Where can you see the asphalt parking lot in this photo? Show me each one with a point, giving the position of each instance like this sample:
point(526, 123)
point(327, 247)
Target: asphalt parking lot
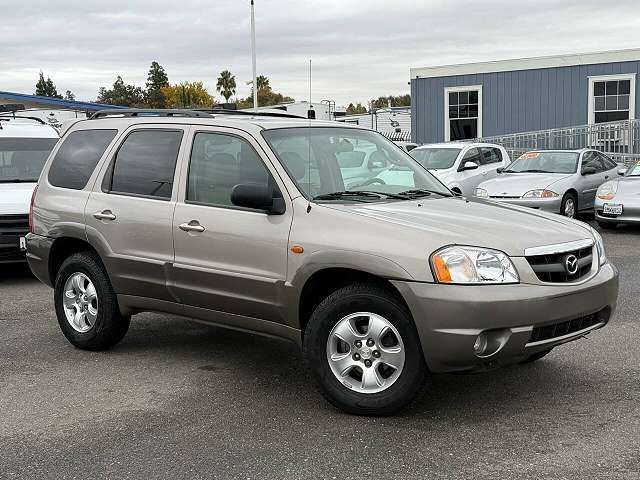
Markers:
point(177, 399)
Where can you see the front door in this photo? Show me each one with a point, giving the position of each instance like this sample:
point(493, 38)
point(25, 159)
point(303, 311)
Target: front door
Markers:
point(590, 181)
point(470, 179)
point(130, 212)
point(228, 259)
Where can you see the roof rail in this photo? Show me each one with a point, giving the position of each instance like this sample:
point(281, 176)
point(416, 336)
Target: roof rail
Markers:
point(247, 113)
point(147, 112)
point(12, 115)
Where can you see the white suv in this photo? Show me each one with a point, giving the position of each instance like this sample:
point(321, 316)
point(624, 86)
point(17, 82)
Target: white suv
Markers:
point(462, 166)
point(25, 144)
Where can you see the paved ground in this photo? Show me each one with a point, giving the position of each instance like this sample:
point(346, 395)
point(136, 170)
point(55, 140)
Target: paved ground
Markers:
point(181, 400)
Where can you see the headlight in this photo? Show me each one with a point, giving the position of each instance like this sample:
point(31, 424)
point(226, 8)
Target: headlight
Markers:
point(599, 246)
point(607, 191)
point(472, 265)
point(481, 192)
point(540, 194)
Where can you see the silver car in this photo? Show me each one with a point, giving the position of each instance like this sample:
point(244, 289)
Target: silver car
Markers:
point(558, 181)
point(618, 200)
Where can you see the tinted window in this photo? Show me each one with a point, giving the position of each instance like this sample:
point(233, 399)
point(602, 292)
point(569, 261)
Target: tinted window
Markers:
point(145, 163)
point(593, 160)
point(490, 155)
point(608, 163)
point(78, 156)
point(435, 158)
point(219, 163)
point(472, 155)
point(22, 159)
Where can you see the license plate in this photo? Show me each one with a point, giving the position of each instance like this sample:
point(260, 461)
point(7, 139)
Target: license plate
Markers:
point(23, 243)
point(611, 209)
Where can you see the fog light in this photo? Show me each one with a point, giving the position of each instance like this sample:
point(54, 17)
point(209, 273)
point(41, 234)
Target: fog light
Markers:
point(481, 344)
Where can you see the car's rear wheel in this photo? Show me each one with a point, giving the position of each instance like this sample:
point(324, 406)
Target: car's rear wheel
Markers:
point(569, 205)
point(536, 356)
point(86, 305)
point(362, 348)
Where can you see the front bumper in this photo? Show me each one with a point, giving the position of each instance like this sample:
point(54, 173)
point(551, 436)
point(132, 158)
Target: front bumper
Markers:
point(547, 204)
point(630, 211)
point(449, 318)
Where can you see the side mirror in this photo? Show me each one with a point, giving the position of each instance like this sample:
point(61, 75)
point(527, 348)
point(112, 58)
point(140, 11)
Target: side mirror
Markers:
point(468, 165)
point(588, 171)
point(622, 172)
point(258, 197)
point(500, 170)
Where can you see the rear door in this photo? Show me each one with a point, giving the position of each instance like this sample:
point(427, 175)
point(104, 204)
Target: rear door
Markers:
point(129, 213)
point(491, 159)
point(227, 258)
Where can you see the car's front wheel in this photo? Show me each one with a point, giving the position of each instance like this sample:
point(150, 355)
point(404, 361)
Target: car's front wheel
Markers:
point(362, 347)
point(86, 305)
point(569, 205)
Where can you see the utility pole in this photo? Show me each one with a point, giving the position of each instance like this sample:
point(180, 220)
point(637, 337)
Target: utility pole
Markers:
point(253, 57)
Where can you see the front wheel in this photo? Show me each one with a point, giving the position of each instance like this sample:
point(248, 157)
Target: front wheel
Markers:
point(86, 305)
point(362, 348)
point(569, 205)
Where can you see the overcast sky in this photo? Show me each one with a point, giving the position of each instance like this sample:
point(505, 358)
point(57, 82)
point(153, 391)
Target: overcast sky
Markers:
point(360, 49)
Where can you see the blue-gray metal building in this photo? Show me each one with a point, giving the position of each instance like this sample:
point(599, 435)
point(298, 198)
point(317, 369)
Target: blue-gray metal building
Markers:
point(456, 102)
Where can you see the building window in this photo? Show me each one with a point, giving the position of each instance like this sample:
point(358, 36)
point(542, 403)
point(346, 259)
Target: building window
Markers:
point(611, 98)
point(462, 113)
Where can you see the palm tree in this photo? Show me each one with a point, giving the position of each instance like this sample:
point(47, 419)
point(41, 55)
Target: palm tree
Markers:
point(226, 84)
point(263, 83)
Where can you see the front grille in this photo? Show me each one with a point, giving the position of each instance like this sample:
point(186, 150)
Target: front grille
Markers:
point(556, 330)
point(503, 197)
point(12, 227)
point(552, 267)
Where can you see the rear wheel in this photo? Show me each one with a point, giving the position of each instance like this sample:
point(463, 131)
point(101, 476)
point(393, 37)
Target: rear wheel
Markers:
point(86, 305)
point(569, 206)
point(536, 356)
point(362, 348)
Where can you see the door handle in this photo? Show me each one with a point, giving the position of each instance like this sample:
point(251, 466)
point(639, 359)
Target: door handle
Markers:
point(192, 226)
point(104, 215)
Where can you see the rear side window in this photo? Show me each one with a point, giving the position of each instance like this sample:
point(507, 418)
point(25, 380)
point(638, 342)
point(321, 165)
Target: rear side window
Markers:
point(491, 155)
point(145, 164)
point(78, 156)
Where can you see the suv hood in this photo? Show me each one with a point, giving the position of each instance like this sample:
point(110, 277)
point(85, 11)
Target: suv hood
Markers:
point(476, 222)
point(15, 198)
point(517, 184)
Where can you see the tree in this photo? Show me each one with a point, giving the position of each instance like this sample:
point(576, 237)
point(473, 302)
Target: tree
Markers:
point(266, 96)
point(263, 83)
point(69, 95)
point(391, 101)
point(356, 109)
point(226, 84)
point(122, 94)
point(46, 88)
point(187, 95)
point(157, 79)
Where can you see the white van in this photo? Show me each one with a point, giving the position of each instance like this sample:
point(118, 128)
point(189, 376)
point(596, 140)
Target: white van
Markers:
point(25, 144)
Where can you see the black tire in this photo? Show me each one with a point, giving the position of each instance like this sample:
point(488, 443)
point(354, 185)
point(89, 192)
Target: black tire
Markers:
point(110, 326)
point(536, 356)
point(364, 298)
point(563, 206)
point(607, 225)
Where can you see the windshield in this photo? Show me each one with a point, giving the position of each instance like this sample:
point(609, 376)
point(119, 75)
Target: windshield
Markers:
point(22, 159)
point(436, 158)
point(349, 164)
point(634, 170)
point(545, 162)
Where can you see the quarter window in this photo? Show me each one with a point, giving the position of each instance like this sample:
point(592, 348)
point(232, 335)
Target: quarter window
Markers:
point(78, 156)
point(145, 164)
point(220, 162)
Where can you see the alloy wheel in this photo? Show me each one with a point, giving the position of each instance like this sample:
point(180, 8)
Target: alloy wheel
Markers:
point(80, 301)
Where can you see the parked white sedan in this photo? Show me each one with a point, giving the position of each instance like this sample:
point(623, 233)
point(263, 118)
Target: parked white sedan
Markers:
point(461, 166)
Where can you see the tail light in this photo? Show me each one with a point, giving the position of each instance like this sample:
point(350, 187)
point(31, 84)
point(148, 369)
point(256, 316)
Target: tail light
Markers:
point(33, 199)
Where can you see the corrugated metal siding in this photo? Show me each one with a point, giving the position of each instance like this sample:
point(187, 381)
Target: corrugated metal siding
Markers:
point(517, 101)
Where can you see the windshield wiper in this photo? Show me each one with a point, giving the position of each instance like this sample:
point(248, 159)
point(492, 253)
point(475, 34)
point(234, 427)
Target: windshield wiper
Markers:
point(421, 192)
point(18, 180)
point(534, 171)
point(357, 193)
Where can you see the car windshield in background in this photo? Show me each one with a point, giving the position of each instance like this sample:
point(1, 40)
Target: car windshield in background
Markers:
point(348, 164)
point(545, 162)
point(435, 158)
point(634, 170)
point(22, 159)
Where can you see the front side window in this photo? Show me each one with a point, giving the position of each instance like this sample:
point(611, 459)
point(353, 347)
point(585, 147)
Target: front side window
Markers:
point(472, 155)
point(22, 159)
point(436, 158)
point(545, 162)
point(608, 163)
point(593, 160)
point(218, 163)
point(145, 164)
point(78, 156)
point(463, 114)
point(634, 170)
point(310, 156)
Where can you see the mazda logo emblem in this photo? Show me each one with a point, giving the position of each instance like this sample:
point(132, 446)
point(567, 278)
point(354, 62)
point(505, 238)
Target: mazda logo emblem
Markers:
point(571, 264)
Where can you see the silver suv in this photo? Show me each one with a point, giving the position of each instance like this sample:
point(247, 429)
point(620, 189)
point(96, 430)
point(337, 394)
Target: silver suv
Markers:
point(245, 222)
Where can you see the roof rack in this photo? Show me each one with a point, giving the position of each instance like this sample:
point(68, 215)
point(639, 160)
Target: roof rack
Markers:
point(248, 113)
point(11, 115)
point(147, 112)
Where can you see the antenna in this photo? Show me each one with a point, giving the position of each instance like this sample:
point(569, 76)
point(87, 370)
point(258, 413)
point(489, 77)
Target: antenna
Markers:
point(253, 57)
point(309, 142)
